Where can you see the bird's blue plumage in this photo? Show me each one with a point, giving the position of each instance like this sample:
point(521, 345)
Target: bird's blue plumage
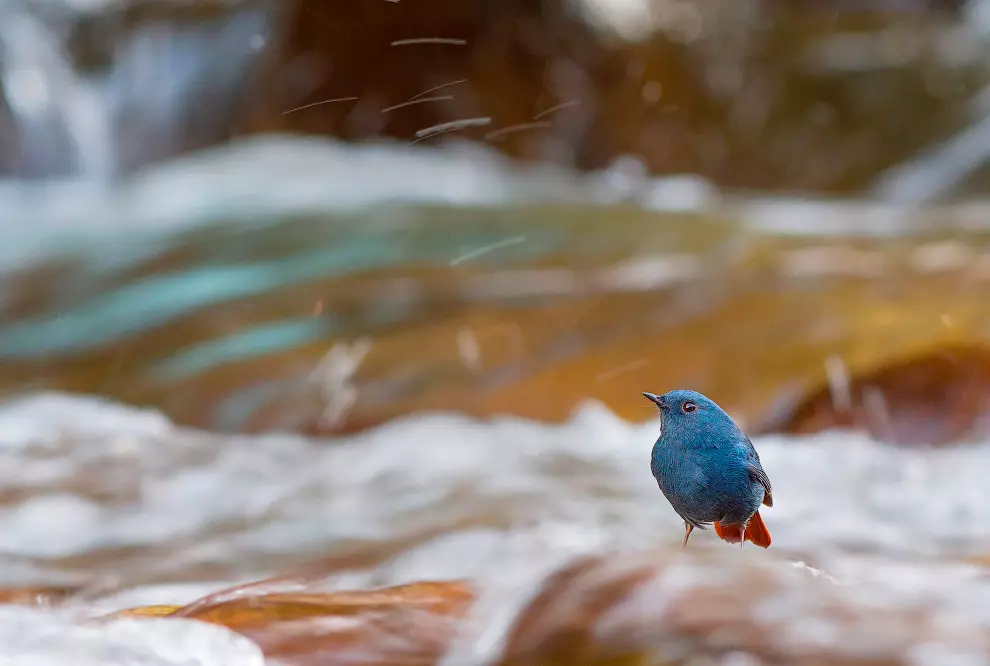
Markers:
point(706, 467)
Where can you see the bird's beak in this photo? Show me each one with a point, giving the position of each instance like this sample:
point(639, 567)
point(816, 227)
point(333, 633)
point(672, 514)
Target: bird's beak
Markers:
point(656, 400)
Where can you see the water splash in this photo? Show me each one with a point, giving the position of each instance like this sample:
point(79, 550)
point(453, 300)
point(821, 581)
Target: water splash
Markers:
point(96, 122)
point(62, 117)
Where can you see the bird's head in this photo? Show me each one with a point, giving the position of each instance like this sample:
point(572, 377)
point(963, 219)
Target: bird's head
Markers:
point(689, 419)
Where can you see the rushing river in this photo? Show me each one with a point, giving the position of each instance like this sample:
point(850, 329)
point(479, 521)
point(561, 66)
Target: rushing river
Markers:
point(137, 511)
point(123, 506)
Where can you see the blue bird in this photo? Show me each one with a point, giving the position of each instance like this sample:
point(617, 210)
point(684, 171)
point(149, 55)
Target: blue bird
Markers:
point(708, 469)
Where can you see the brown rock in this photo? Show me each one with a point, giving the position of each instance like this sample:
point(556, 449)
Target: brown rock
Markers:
point(143, 611)
point(409, 624)
point(747, 94)
point(34, 596)
point(700, 608)
point(772, 97)
point(933, 398)
point(670, 607)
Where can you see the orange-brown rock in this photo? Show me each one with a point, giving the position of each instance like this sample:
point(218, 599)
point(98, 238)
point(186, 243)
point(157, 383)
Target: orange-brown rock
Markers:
point(144, 611)
point(409, 624)
point(938, 396)
point(34, 596)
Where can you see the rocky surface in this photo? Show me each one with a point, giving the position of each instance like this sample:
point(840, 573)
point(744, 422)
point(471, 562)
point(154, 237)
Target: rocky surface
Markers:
point(411, 624)
point(669, 607)
point(645, 609)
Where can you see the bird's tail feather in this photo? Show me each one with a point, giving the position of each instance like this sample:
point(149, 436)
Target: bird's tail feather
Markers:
point(756, 531)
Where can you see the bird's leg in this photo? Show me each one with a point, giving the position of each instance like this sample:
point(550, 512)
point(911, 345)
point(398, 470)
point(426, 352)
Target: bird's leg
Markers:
point(742, 536)
point(688, 528)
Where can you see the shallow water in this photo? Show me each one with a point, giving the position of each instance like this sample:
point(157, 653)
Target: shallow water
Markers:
point(303, 285)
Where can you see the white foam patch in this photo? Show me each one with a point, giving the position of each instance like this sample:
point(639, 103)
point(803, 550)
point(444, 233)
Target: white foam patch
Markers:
point(46, 418)
point(31, 638)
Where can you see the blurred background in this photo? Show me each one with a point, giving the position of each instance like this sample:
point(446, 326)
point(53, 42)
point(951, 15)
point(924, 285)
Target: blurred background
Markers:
point(383, 280)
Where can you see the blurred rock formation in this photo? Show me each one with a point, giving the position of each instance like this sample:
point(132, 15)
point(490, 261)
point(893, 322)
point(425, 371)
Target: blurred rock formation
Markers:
point(765, 94)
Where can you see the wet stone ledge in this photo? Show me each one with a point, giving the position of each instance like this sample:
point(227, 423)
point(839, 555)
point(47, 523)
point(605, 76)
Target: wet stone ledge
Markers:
point(648, 607)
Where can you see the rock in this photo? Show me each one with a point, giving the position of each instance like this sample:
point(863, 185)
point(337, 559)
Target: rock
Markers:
point(703, 608)
point(738, 92)
point(777, 87)
point(676, 607)
point(34, 596)
point(144, 611)
point(935, 397)
point(409, 624)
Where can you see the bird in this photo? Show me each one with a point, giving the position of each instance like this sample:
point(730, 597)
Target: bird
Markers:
point(708, 469)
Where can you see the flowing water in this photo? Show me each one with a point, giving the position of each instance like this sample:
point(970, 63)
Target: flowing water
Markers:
point(75, 81)
point(162, 329)
point(136, 510)
point(122, 506)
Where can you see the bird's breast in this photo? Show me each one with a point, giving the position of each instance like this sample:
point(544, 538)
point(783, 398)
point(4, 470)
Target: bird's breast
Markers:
point(706, 485)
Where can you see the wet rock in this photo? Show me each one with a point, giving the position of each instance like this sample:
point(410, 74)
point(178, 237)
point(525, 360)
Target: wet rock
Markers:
point(145, 611)
point(740, 92)
point(409, 624)
point(706, 608)
point(34, 596)
point(703, 606)
point(760, 345)
point(937, 397)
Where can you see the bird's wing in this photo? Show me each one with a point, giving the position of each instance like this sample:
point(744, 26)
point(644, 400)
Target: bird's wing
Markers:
point(699, 524)
point(757, 474)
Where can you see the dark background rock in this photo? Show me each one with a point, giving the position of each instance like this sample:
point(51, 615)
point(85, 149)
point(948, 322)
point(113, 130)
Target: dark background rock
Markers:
point(940, 396)
point(776, 95)
point(745, 99)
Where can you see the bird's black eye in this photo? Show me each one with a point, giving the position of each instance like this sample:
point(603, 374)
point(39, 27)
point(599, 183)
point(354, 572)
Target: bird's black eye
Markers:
point(688, 407)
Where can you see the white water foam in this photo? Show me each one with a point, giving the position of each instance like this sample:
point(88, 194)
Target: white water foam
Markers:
point(105, 476)
point(32, 638)
point(446, 497)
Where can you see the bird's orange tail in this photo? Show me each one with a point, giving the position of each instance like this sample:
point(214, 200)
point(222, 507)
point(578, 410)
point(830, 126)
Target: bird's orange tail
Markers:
point(756, 531)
